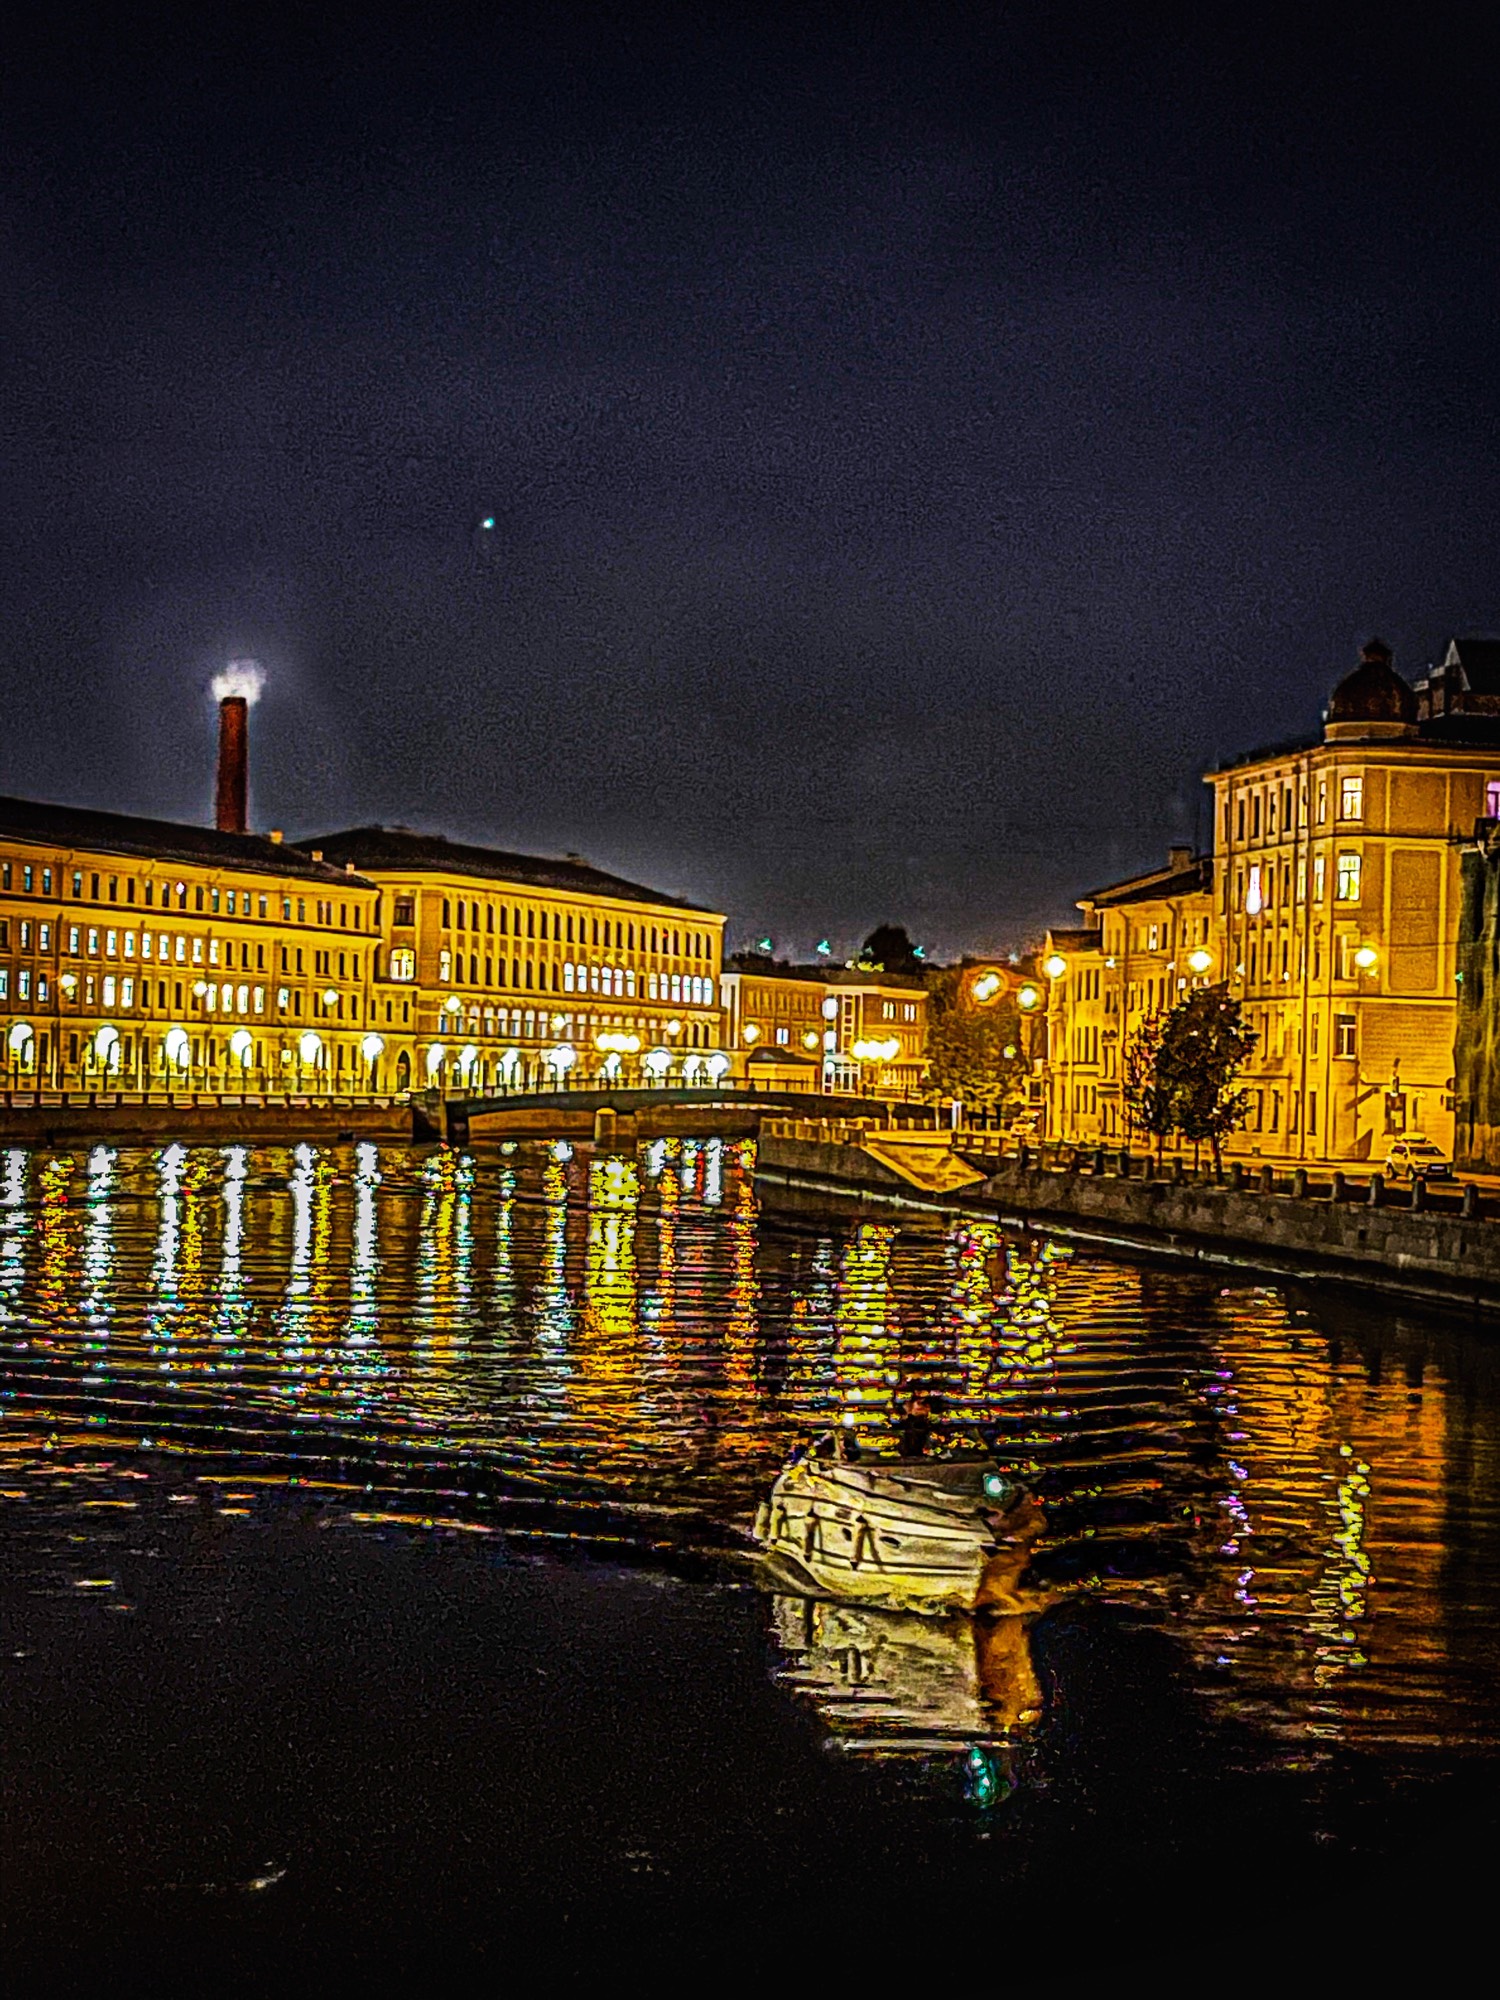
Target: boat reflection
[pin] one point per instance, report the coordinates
(896, 1683)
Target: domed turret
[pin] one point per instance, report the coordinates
(1373, 700)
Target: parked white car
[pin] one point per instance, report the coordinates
(1415, 1155)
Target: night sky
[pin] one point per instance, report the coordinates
(917, 446)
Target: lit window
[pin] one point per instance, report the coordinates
(404, 963)
(1320, 870)
(445, 966)
(1348, 878)
(1351, 798)
(127, 992)
(1343, 1034)
(1492, 799)
(1254, 901)
(109, 990)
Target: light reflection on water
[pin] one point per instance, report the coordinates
(553, 1345)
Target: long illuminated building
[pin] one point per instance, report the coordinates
(143, 955)
(500, 969)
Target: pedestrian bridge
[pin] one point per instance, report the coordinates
(457, 1112)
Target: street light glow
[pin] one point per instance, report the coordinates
(871, 1051)
(1365, 957)
(1028, 997)
(1200, 960)
(1054, 965)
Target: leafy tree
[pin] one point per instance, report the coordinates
(967, 1044)
(1148, 1103)
(1205, 1044)
(889, 949)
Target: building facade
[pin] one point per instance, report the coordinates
(1329, 909)
(821, 1028)
(498, 971)
(1148, 941)
(1337, 897)
(141, 955)
(1476, 1051)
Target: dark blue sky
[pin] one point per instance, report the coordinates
(917, 446)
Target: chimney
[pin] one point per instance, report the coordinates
(234, 764)
(1179, 859)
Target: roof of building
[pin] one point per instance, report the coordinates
(383, 850)
(1464, 732)
(1374, 691)
(750, 966)
(1163, 885)
(764, 1057)
(1480, 661)
(84, 829)
(1078, 940)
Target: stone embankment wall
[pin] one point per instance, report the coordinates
(818, 1175)
(159, 1124)
(1292, 1229)
(1289, 1229)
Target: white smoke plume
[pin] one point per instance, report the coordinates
(245, 678)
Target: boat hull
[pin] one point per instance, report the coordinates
(889, 1536)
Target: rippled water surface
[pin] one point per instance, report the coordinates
(1277, 1519)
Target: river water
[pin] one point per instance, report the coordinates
(374, 1569)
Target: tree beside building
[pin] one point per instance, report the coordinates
(974, 1045)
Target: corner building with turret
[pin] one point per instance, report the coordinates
(1329, 908)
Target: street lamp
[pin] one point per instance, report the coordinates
(1366, 958)
(1054, 965)
(1200, 960)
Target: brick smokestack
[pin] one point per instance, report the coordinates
(234, 764)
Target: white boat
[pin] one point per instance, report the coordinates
(912, 1534)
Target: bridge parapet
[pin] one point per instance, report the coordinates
(455, 1115)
